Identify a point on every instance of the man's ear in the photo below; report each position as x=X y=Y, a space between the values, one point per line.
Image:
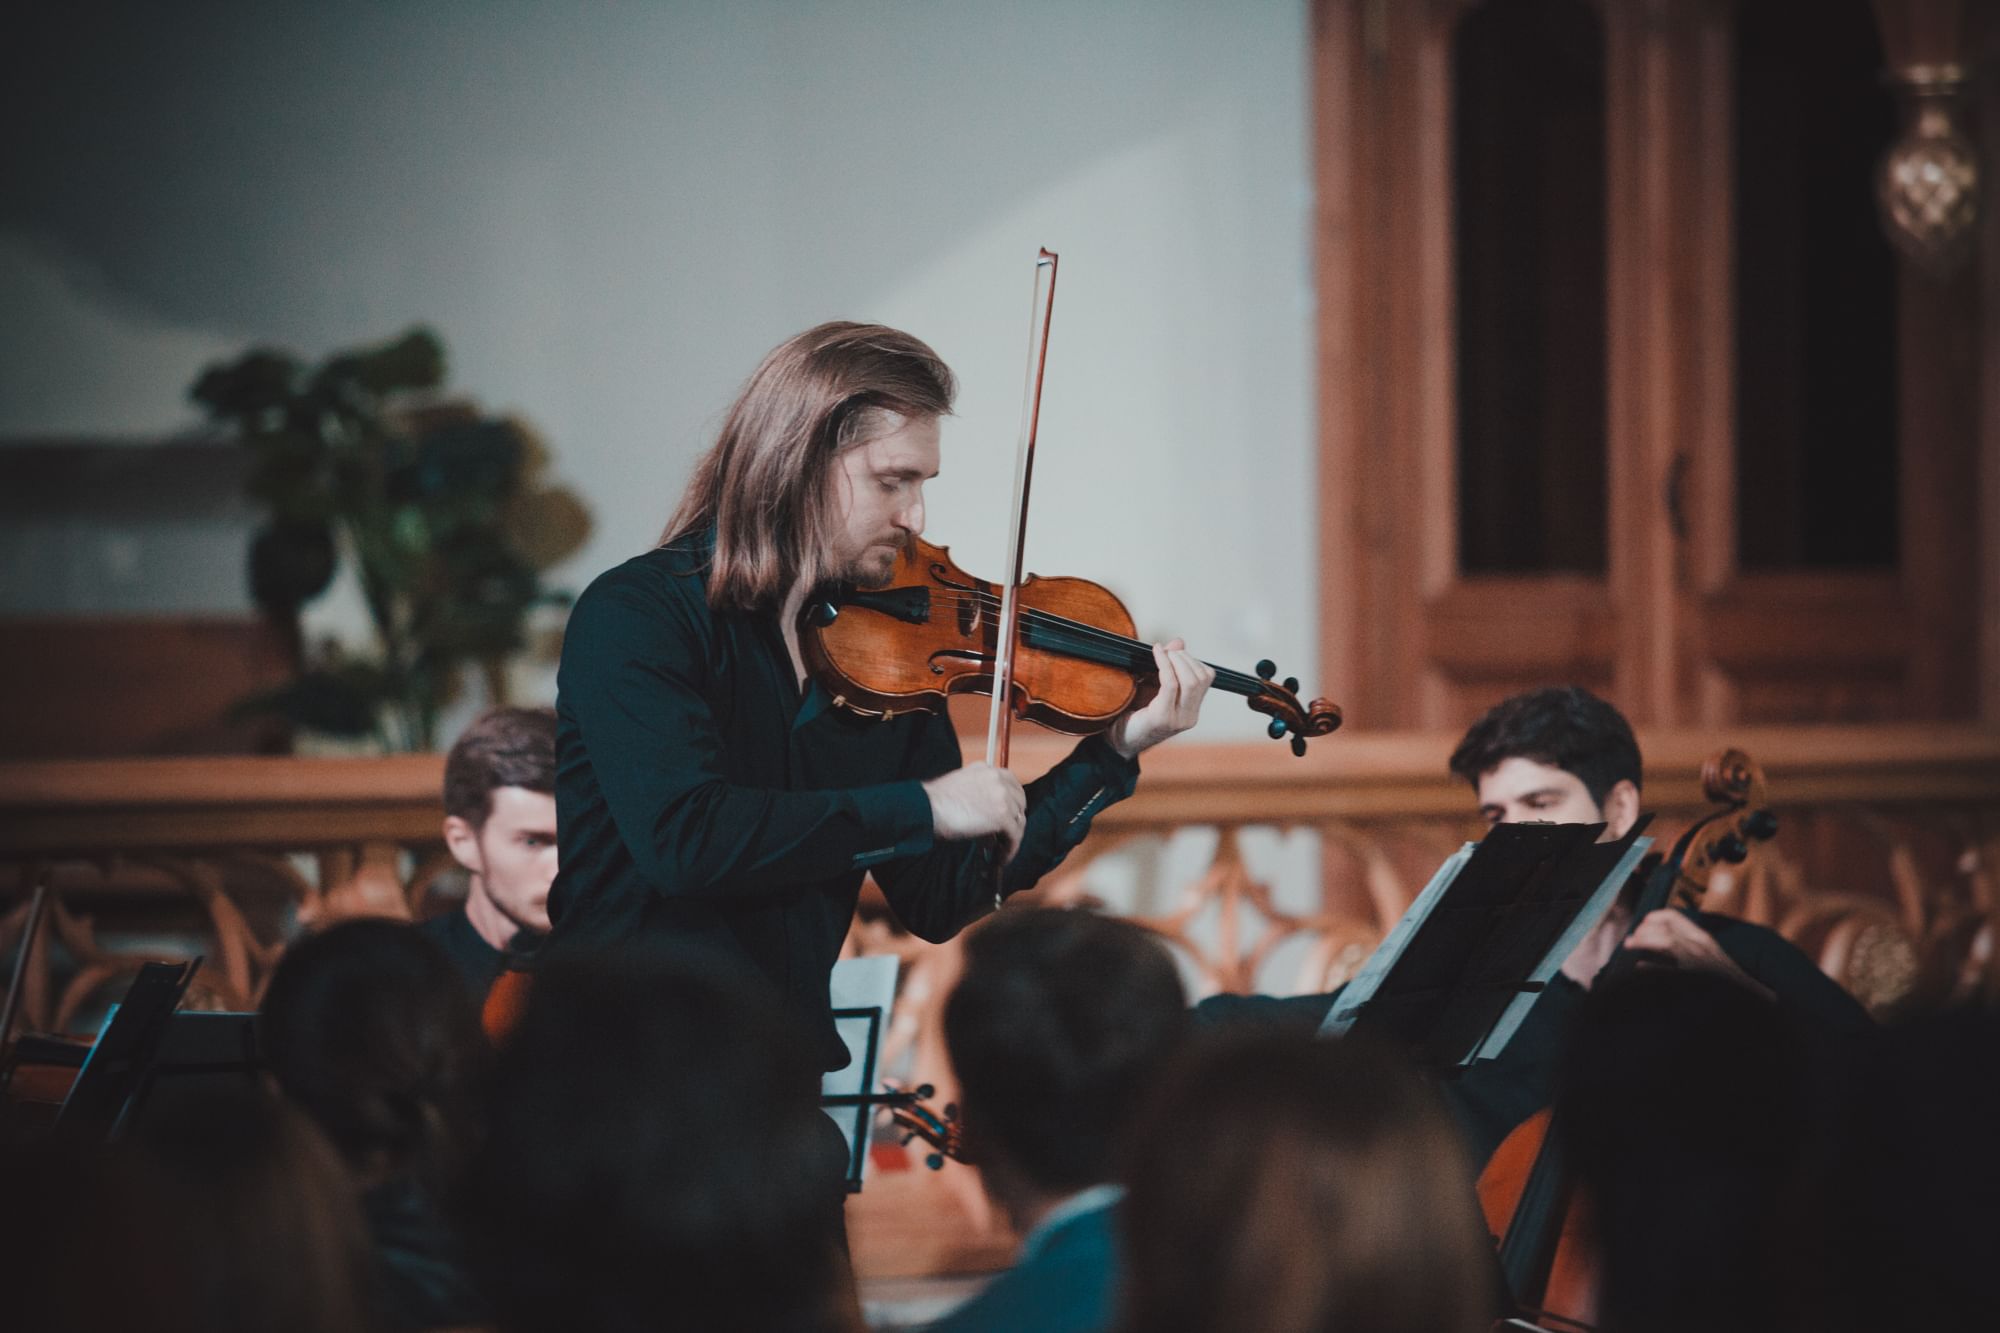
x=463 y=840
x=1621 y=809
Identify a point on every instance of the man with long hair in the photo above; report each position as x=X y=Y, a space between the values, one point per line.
x=707 y=790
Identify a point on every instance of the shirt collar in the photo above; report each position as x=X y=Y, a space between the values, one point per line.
x=1075 y=1206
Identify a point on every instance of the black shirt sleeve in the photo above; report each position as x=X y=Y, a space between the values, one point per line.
x=636 y=662
x=935 y=893
x=1802 y=990
x=1302 y=1014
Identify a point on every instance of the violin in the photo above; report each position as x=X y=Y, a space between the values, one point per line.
x=1057 y=651
x=933 y=632
x=1529 y=1201
x=945 y=1133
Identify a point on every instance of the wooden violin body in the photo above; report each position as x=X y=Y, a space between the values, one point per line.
x=933 y=631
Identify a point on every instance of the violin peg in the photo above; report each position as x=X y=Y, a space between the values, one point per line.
x=1731 y=849
x=1299 y=746
x=935 y=1161
x=1291 y=684
x=1761 y=825
x=1276 y=731
x=1266 y=669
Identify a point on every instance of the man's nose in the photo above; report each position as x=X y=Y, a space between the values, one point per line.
x=911 y=518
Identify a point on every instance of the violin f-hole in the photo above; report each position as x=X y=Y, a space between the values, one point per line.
x=957 y=655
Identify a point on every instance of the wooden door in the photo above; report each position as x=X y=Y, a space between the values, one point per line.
x=1548 y=453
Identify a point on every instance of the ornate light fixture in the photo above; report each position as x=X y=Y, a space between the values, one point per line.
x=1928 y=185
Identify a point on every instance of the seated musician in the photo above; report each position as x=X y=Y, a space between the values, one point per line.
x=500 y=824
x=1563 y=755
x=1058 y=1029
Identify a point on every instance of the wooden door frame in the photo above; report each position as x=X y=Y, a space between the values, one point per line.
x=1670 y=625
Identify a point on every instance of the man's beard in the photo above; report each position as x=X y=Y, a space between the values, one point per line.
x=875 y=567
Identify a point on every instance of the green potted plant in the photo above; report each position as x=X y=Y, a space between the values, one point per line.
x=443 y=511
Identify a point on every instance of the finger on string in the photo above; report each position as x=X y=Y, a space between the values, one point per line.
x=1170 y=681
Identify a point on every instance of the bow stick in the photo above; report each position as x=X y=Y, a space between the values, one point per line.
x=999 y=725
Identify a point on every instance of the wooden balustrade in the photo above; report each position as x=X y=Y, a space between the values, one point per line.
x=1887 y=870
x=1890 y=833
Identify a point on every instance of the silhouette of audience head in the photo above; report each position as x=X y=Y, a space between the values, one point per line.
x=1057 y=1030
x=657 y=1157
x=367 y=1027
x=228 y=1212
x=1898 y=1207
x=1292 y=1185
x=1684 y=1100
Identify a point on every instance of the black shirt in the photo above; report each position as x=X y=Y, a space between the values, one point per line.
x=477 y=961
x=701 y=796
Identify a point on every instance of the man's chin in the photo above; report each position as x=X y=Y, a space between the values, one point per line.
x=874 y=570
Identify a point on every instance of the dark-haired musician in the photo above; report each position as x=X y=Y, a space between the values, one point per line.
x=500 y=825
x=1565 y=756
x=707 y=791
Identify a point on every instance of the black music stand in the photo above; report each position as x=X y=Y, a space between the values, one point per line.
x=862 y=1101
x=119 y=1069
x=1455 y=976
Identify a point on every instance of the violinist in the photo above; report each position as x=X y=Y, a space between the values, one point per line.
x=708 y=790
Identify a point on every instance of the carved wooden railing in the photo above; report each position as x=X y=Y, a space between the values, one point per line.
x=148 y=857
x=1886 y=870
x=1263 y=871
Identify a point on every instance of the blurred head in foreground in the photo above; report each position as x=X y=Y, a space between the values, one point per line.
x=656 y=1152
x=1292 y=1185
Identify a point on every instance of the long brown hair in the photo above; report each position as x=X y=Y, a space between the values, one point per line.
x=1293 y=1185
x=763 y=487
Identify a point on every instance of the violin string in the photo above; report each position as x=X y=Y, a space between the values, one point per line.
x=1055 y=633
x=1055 y=630
x=1115 y=649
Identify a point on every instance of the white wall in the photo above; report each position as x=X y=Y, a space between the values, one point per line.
x=611 y=212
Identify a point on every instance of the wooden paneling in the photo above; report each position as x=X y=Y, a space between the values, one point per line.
x=100 y=688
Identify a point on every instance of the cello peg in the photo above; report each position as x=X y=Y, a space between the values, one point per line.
x=1731 y=849
x=1266 y=669
x=1276 y=731
x=1761 y=825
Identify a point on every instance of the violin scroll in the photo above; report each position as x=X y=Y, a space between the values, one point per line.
x=945 y=1133
x=1734 y=780
x=1288 y=716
